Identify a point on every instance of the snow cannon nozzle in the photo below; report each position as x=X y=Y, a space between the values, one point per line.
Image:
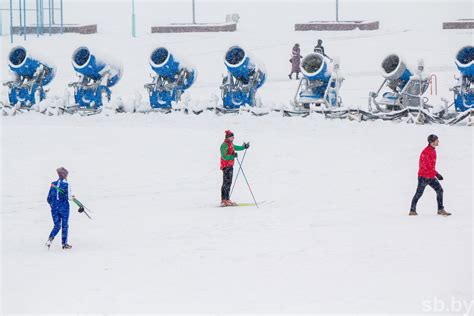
x=465 y=61
x=314 y=66
x=17 y=56
x=164 y=63
x=393 y=68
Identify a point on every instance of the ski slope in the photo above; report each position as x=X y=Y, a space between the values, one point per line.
x=336 y=236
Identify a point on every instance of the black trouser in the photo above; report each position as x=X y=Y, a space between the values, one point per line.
x=227 y=182
x=422 y=183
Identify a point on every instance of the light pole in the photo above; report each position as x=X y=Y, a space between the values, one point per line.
x=194 y=13
x=337 y=10
x=134 y=31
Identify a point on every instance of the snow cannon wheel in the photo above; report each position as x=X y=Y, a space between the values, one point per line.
x=17 y=56
x=159 y=56
x=81 y=56
x=235 y=56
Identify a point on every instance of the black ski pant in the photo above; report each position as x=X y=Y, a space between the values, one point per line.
x=422 y=183
x=227 y=182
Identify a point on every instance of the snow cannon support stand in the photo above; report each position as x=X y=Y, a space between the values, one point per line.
x=405 y=97
x=96 y=77
x=318 y=89
x=464 y=89
x=31 y=77
x=170 y=81
x=239 y=86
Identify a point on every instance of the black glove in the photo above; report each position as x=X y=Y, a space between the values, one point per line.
x=235 y=155
x=246 y=145
x=439 y=177
x=81 y=209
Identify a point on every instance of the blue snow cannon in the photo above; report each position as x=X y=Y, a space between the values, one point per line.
x=320 y=84
x=240 y=85
x=464 y=91
x=171 y=80
x=96 y=77
x=31 y=77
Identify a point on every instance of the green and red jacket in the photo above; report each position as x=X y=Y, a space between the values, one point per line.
x=227 y=154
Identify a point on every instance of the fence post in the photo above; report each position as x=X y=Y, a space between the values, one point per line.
x=134 y=31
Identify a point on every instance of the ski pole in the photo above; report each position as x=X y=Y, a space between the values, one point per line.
x=76 y=201
x=238 y=171
x=250 y=189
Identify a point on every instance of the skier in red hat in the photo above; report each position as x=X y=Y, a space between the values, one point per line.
x=228 y=154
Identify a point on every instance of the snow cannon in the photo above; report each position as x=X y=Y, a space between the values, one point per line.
x=243 y=78
x=171 y=80
x=31 y=76
x=96 y=77
x=320 y=83
x=464 y=90
x=405 y=88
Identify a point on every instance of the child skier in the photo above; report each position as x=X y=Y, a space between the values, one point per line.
x=228 y=154
x=427 y=175
x=58 y=199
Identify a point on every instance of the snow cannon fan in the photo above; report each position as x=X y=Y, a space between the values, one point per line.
x=243 y=78
x=405 y=88
x=320 y=83
x=464 y=90
x=96 y=77
x=170 y=81
x=31 y=77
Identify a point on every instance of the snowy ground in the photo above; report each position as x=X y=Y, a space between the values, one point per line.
x=336 y=236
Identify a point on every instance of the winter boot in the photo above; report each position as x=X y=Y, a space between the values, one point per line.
x=443 y=213
x=67 y=246
x=223 y=203
x=231 y=203
x=48 y=243
x=297 y=76
x=413 y=213
x=289 y=76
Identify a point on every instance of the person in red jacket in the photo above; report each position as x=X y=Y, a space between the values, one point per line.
x=427 y=175
x=228 y=154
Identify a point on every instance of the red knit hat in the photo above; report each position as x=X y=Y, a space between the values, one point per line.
x=228 y=134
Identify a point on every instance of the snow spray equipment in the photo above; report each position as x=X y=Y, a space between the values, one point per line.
x=243 y=79
x=406 y=89
x=320 y=83
x=96 y=77
x=82 y=207
x=31 y=77
x=245 y=177
x=464 y=89
x=171 y=80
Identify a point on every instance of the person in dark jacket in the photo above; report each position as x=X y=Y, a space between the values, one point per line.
x=295 y=61
x=228 y=155
x=427 y=175
x=58 y=199
x=320 y=49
